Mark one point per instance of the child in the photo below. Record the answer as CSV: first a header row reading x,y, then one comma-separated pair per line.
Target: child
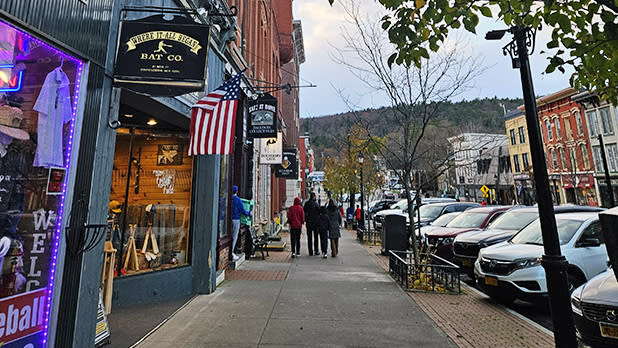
x,y
322,226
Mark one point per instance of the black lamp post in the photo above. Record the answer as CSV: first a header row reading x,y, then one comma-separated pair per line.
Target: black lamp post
x,y
361,223
553,261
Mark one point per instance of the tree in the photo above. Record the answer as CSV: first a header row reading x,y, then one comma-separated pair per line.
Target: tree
x,y
584,33
416,93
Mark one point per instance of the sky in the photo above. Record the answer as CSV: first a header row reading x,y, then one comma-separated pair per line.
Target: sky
x,y
321,25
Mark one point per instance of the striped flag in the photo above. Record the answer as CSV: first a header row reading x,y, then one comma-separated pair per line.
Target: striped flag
x,y
213,119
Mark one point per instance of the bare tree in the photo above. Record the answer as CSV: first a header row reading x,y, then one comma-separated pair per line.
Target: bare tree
x,y
416,93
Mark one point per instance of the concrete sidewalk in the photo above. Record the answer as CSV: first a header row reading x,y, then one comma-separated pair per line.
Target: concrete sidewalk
x,y
347,301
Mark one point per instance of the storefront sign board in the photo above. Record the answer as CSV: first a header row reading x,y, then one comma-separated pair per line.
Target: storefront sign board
x,y
289,165
263,118
271,150
162,57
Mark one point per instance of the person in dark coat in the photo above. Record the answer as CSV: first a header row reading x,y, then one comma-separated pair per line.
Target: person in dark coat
x,y
312,214
323,225
296,219
334,219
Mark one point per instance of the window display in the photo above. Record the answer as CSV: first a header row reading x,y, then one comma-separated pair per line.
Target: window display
x,y
39,92
150,198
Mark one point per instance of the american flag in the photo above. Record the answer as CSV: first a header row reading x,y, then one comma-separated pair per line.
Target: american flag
x,y
213,119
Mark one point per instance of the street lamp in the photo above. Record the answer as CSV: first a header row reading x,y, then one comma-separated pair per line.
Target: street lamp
x,y
361,223
553,261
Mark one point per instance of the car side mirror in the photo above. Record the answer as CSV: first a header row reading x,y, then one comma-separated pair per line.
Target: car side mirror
x,y
588,242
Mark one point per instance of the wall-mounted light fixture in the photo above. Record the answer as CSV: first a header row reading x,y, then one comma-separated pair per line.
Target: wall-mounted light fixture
x,y
152,122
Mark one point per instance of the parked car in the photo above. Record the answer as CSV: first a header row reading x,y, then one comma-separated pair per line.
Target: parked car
x,y
466,246
379,206
437,224
512,270
401,208
595,310
389,195
431,211
441,240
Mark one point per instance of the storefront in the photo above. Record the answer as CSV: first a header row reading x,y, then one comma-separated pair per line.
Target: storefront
x,y
579,189
40,101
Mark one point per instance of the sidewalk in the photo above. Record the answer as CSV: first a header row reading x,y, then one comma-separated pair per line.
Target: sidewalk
x,y
347,301
472,319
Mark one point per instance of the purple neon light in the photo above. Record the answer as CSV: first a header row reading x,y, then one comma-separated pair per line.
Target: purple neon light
x,y
56,242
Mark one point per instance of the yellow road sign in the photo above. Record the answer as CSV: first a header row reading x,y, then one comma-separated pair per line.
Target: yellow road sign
x,y
485,195
484,189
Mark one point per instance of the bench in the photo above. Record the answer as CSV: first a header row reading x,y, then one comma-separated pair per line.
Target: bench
x,y
259,243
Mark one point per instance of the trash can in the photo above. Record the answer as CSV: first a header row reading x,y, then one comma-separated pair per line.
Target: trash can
x,y
394,234
248,205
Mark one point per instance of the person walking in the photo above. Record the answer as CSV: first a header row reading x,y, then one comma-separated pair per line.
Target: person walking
x,y
296,219
334,222
311,216
237,209
323,224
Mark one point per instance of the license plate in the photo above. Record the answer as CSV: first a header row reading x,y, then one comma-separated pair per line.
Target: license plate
x,y
466,262
491,281
609,330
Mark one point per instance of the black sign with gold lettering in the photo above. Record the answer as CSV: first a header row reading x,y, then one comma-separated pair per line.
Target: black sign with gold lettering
x,y
162,57
289,166
262,121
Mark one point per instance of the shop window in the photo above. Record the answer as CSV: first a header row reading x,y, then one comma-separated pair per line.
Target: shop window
x,y
150,201
39,95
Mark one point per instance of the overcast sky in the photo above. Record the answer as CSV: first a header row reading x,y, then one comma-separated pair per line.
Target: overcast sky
x,y
321,25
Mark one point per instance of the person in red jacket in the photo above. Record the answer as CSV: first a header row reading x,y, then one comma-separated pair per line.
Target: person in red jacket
x,y
296,219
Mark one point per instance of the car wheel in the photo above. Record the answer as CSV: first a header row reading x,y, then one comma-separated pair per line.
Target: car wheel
x,y
574,279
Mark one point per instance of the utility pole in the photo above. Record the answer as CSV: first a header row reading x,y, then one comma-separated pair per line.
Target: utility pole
x,y
608,180
553,261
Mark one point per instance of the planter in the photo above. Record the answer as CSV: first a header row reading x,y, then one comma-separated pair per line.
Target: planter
x,y
433,274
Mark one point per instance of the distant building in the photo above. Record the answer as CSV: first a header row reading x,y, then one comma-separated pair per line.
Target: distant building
x,y
482,160
520,159
602,119
567,148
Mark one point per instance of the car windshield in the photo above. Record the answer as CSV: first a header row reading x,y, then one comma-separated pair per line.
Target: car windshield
x,y
469,220
514,220
444,219
531,234
429,212
402,204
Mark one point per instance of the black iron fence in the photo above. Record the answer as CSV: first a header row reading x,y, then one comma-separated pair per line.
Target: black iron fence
x,y
369,236
433,273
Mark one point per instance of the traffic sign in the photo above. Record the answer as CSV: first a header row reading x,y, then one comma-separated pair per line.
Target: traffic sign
x,y
484,189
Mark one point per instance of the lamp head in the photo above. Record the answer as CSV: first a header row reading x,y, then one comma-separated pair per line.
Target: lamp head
x,y
495,34
360,158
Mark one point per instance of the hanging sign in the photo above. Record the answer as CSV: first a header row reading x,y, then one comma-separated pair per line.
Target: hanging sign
x,y
162,57
271,150
289,165
262,121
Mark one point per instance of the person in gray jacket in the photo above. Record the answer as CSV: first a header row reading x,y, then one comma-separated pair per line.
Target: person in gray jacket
x,y
334,219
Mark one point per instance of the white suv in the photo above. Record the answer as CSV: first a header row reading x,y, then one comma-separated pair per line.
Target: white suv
x,y
512,270
399,208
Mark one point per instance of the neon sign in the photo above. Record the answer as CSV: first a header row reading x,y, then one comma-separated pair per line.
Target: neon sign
x,y
8,81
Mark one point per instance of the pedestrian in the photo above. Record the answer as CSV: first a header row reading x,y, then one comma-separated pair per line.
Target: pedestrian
x,y
237,209
349,216
323,227
296,219
312,214
334,222
275,224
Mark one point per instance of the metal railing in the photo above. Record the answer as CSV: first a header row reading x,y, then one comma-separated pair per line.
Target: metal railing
x,y
433,273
